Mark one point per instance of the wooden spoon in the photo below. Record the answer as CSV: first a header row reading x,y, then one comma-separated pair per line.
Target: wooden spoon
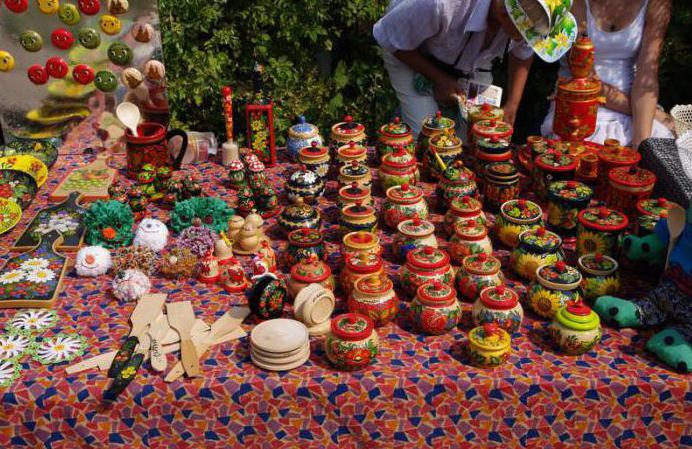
x,y
128,113
181,317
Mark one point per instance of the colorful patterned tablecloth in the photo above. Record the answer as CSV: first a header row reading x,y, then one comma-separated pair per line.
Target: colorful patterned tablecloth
x,y
422,392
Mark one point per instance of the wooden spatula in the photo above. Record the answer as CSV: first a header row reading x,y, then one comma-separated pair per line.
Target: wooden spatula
x,y
181,317
157,331
146,311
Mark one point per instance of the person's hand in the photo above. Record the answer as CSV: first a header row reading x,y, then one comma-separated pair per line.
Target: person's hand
x,y
447,90
510,112
666,119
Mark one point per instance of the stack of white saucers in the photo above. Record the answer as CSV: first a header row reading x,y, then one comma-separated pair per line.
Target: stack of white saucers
x,y
279,345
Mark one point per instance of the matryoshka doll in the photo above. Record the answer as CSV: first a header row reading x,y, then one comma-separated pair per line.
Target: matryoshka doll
x,y
209,269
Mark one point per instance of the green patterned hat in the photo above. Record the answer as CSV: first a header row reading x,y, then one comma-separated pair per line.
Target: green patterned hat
x,y
546,25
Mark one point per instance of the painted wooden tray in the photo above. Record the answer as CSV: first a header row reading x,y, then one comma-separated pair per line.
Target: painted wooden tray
x,y
91,181
10,214
33,278
67,218
17,185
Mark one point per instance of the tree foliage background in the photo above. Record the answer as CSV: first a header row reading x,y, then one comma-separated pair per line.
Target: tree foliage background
x,y
321,61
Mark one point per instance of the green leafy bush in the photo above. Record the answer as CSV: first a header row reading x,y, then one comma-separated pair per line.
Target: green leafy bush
x,y
319,60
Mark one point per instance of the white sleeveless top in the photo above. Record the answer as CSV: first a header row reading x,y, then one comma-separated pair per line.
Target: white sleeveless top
x,y
615,61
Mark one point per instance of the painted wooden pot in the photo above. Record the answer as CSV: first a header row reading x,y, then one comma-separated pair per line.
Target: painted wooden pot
x,y
628,186
499,305
565,200
398,168
483,160
447,147
536,248
347,131
425,264
516,217
550,167
501,184
360,266
356,172
600,230
469,237
301,135
613,155
485,111
649,212
413,233
236,174
600,275
346,154
432,126
456,182
576,328
374,296
489,345
576,107
316,159
353,194
359,242
491,130
556,285
463,210
306,272
352,343
299,215
393,135
302,244
478,272
404,202
358,217
435,309
304,184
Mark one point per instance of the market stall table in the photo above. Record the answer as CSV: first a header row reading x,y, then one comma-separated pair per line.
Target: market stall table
x,y
421,392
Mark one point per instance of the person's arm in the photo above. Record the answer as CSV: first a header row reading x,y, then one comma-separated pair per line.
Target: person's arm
x,y
518,74
645,87
446,86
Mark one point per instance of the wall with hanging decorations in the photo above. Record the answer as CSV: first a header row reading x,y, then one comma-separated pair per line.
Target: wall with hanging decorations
x,y
65,64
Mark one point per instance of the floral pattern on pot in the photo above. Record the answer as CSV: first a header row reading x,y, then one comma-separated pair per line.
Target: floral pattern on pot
x,y
516,217
446,147
425,264
535,248
355,172
357,267
469,238
302,243
550,167
556,285
393,135
301,135
352,343
299,215
435,309
432,126
398,168
358,217
478,272
499,305
316,159
566,200
17,186
628,186
462,210
404,202
266,297
347,131
456,181
374,296
600,276
576,328
489,345
600,230
305,184
413,233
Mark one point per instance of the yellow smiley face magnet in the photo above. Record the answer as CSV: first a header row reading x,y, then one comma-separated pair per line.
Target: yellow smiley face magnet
x,y
6,61
48,6
110,25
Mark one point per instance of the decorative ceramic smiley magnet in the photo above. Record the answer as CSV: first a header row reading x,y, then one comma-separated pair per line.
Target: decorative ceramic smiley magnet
x,y
131,78
17,6
154,70
89,7
119,53
38,74
83,74
6,61
106,81
110,25
57,67
69,14
48,6
31,41
142,32
89,38
62,38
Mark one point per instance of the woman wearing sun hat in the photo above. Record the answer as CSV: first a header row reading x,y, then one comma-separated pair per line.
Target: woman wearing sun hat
x,y
430,44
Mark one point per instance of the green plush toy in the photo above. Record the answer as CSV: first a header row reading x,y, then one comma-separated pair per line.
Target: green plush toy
x,y
648,249
109,224
213,212
669,304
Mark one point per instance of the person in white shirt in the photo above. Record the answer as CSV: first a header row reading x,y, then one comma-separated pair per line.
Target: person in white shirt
x,y
440,41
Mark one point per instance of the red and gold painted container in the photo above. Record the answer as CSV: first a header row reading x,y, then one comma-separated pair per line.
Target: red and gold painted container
x,y
404,202
447,147
461,210
501,184
432,126
485,111
613,155
358,242
352,343
627,186
393,135
347,131
581,57
599,231
423,265
306,272
413,233
350,152
355,172
358,217
360,266
477,272
469,238
435,309
496,130
499,305
374,296
550,167
398,168
350,195
576,107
